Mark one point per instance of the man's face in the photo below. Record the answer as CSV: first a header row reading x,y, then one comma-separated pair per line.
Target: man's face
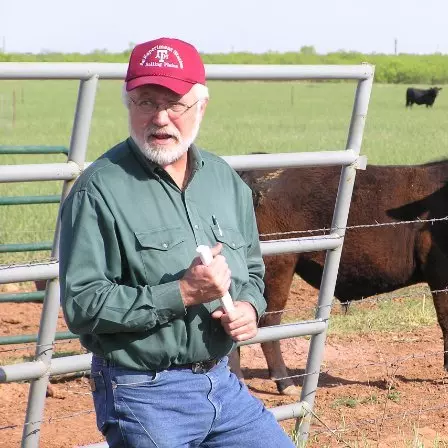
x,y
162,123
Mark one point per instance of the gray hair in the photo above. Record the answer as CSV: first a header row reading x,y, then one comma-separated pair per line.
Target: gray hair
x,y
200,91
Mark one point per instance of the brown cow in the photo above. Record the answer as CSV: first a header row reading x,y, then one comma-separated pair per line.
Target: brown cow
x,y
374,260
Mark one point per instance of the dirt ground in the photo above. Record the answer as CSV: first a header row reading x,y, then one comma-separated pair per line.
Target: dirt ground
x,y
376,390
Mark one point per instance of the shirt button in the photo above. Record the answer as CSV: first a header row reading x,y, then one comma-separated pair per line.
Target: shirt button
x,y
233,244
196,226
165,245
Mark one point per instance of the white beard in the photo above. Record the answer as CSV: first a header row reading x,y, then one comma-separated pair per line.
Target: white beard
x,y
160,154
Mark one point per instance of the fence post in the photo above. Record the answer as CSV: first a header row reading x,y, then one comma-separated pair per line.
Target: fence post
x,y
49,316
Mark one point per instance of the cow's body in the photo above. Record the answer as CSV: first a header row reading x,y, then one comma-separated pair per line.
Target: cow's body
x,y
374,260
420,96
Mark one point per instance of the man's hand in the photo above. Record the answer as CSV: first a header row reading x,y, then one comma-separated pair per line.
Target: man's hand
x,y
202,284
241,323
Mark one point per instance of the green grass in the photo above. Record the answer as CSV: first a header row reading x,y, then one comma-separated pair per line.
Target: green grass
x,y
242,117
387,315
9,360
401,310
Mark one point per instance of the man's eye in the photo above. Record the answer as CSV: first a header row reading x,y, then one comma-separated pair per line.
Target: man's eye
x,y
177,107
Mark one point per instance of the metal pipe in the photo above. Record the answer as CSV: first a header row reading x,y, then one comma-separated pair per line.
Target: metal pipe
x,y
293,410
333,257
42,171
35,369
32,149
303,244
50,310
290,160
86,70
25,247
29,272
27,200
277,332
26,338
22,297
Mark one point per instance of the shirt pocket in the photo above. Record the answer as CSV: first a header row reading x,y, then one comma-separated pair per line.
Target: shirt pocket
x,y
234,250
163,254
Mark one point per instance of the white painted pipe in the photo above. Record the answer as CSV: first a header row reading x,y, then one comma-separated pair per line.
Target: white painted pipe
x,y
206,257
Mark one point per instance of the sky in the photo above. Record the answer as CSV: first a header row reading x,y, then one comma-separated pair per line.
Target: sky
x,y
257,26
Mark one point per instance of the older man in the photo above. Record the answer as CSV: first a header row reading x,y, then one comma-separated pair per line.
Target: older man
x,y
132,286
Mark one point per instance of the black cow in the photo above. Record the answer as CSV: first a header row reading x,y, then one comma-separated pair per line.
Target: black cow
x,y
421,96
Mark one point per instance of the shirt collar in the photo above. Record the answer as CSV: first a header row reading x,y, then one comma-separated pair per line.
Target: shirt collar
x,y
197,162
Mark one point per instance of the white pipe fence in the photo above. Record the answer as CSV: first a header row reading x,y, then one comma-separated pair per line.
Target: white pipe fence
x,y
43,366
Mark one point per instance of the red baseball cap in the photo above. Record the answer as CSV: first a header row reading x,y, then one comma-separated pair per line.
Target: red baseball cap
x,y
167,62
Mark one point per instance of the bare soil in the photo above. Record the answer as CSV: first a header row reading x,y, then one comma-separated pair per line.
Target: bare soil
x,y
376,390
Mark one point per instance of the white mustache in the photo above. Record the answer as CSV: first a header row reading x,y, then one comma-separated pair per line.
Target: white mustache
x,y
158,131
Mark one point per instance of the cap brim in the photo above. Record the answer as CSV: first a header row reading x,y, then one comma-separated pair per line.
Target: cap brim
x,y
176,85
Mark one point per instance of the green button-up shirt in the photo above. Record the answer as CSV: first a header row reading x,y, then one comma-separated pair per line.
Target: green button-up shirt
x,y
129,233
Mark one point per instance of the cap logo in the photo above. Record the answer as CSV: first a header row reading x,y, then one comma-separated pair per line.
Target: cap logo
x,y
160,56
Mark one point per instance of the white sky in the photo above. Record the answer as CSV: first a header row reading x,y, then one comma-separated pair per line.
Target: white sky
x,y
230,25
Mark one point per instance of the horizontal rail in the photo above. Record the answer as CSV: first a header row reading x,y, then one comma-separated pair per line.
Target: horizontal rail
x,y
22,200
43,271
302,244
291,160
35,369
32,149
36,172
43,171
69,170
29,272
287,72
80,363
293,410
86,70
22,371
25,247
95,445
26,338
277,332
62,70
36,296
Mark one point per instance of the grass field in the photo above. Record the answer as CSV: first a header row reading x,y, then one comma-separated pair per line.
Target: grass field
x,y
242,117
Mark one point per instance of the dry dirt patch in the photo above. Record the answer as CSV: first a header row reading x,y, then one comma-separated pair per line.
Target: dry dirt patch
x,y
364,399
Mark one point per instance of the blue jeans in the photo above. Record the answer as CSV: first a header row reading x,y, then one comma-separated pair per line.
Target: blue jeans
x,y
178,408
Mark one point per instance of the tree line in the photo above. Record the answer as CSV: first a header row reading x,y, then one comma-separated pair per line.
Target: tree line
x,y
406,68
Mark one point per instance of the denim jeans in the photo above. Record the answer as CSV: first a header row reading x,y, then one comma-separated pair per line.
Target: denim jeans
x,y
177,408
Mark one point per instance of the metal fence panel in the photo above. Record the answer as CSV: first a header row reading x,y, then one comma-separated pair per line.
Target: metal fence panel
x,y
88,73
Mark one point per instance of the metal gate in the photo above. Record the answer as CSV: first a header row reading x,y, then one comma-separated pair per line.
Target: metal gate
x,y
44,366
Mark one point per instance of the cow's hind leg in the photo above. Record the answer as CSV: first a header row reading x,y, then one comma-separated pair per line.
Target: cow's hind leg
x,y
441,305
278,279
435,270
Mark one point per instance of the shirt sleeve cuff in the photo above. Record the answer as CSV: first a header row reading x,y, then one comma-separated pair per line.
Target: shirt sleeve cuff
x,y
168,301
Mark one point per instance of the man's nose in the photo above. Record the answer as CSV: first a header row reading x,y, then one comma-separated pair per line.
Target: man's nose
x,y
160,116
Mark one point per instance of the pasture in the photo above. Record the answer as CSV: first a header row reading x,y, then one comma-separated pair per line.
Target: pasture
x,y
272,117
242,117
